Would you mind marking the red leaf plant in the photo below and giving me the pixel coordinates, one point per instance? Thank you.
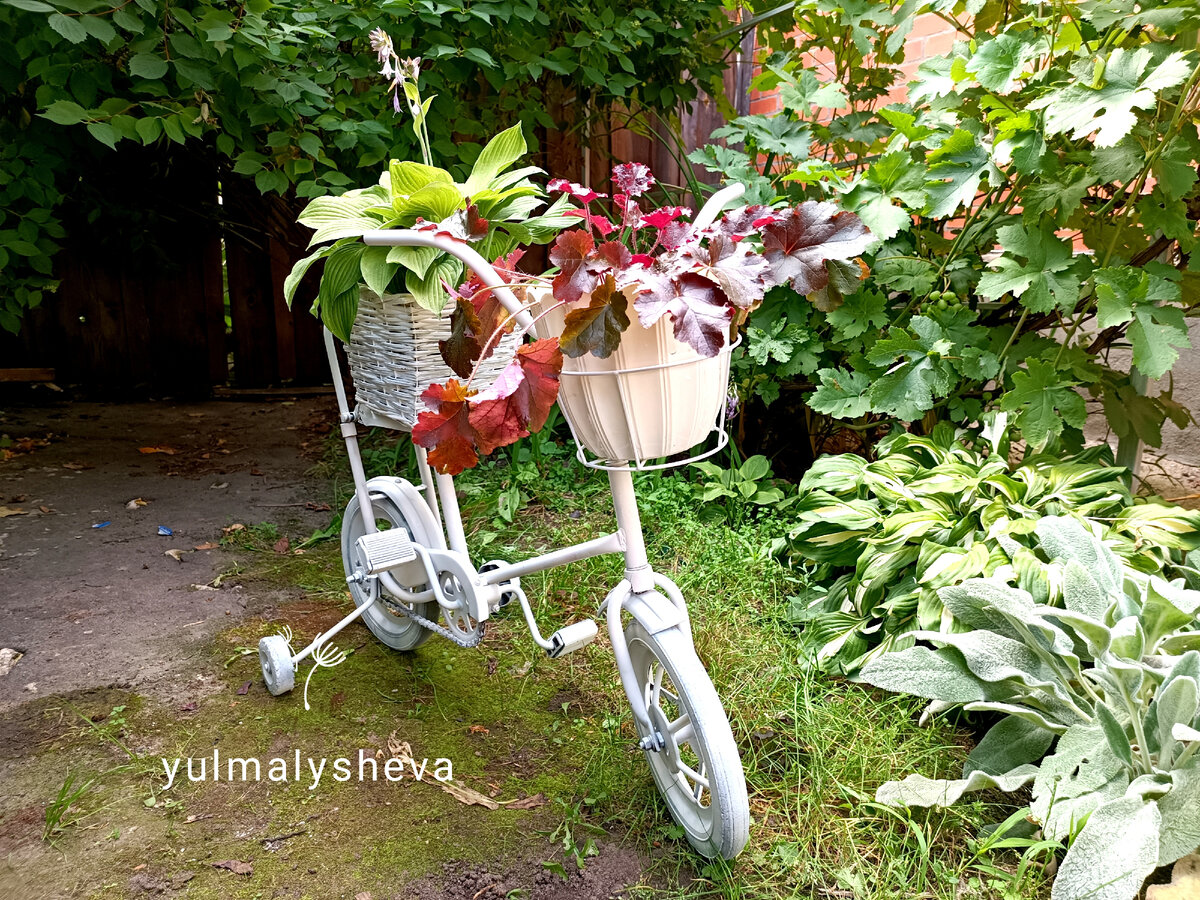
(705, 280)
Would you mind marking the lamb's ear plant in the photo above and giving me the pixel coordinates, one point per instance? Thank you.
(1101, 706)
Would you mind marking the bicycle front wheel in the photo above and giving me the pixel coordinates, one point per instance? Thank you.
(699, 771)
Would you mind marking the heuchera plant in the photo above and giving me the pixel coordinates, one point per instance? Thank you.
(706, 279)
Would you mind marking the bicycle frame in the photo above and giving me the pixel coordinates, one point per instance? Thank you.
(650, 597)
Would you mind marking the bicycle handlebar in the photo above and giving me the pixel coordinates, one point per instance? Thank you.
(481, 267)
(471, 259)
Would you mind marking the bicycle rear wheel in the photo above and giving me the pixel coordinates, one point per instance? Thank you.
(699, 771)
(392, 628)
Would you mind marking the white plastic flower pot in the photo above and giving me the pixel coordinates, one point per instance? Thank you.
(654, 397)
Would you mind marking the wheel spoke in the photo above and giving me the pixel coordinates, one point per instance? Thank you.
(691, 774)
(656, 687)
(681, 729)
(698, 790)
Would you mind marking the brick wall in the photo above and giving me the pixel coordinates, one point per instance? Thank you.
(930, 37)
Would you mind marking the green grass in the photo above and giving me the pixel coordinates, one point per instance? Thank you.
(517, 724)
(814, 748)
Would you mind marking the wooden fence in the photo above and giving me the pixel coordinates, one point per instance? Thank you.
(179, 286)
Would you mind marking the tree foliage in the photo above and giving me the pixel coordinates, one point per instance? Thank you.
(1033, 198)
(286, 93)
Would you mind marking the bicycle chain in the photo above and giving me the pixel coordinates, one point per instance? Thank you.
(467, 642)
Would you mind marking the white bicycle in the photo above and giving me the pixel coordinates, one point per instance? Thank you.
(411, 576)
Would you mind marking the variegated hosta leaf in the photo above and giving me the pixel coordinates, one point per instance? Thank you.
(838, 474)
(1167, 526)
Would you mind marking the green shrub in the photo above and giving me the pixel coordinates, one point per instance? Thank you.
(1043, 131)
(877, 540)
(288, 92)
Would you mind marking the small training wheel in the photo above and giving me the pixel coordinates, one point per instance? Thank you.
(275, 658)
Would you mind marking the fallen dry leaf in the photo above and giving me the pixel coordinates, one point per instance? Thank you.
(6, 511)
(258, 472)
(169, 451)
(236, 526)
(139, 867)
(363, 895)
(282, 545)
(467, 796)
(399, 749)
(207, 545)
(75, 466)
(45, 509)
(190, 819)
(317, 507)
(527, 803)
(478, 729)
(135, 503)
(9, 658)
(176, 555)
(237, 867)
(1185, 881)
(244, 689)
(190, 706)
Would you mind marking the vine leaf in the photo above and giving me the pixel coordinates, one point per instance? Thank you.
(1125, 294)
(1043, 402)
(916, 369)
(998, 64)
(1045, 280)
(596, 328)
(444, 429)
(1107, 110)
(798, 242)
(841, 394)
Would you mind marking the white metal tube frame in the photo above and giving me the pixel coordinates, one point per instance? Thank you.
(639, 588)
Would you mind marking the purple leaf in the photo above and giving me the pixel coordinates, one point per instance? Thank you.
(801, 239)
(699, 309)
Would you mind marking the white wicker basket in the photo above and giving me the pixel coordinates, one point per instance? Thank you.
(394, 356)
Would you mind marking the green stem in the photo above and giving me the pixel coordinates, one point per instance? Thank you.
(1139, 730)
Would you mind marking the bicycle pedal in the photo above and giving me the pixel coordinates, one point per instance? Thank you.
(572, 637)
(385, 550)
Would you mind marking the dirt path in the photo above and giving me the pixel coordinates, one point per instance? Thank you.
(102, 606)
(131, 656)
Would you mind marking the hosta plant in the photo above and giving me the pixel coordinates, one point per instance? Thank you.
(633, 261)
(877, 540)
(1100, 701)
(494, 209)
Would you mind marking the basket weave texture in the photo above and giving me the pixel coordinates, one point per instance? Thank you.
(394, 356)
